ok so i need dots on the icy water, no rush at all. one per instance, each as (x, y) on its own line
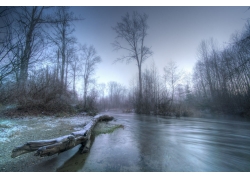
(149, 143)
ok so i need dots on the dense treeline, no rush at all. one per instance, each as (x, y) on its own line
(221, 78)
(167, 94)
(220, 82)
(41, 60)
(43, 68)
(151, 94)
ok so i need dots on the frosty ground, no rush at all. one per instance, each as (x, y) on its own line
(17, 131)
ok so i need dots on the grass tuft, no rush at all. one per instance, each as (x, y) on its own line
(104, 128)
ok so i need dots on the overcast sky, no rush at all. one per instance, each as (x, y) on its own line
(174, 34)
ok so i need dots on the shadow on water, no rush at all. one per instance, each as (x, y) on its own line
(76, 162)
(54, 162)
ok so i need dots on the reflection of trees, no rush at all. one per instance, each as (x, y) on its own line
(151, 143)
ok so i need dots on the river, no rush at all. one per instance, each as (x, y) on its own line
(150, 143)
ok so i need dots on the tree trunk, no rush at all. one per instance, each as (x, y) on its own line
(63, 53)
(29, 41)
(66, 73)
(63, 143)
(139, 103)
(74, 82)
(24, 63)
(85, 93)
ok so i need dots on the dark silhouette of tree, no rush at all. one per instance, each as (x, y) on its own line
(90, 59)
(221, 77)
(29, 24)
(131, 33)
(6, 36)
(172, 76)
(75, 69)
(61, 36)
(116, 94)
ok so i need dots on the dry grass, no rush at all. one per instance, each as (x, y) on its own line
(104, 128)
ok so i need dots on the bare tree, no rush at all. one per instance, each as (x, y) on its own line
(116, 94)
(133, 30)
(75, 71)
(90, 59)
(221, 77)
(172, 77)
(102, 103)
(29, 20)
(6, 47)
(61, 36)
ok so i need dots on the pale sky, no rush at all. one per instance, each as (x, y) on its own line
(174, 34)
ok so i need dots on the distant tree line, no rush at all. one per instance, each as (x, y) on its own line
(42, 63)
(151, 94)
(221, 78)
(220, 82)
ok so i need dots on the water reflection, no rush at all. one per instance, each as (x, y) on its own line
(76, 162)
(149, 143)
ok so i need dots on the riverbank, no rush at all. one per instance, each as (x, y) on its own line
(15, 131)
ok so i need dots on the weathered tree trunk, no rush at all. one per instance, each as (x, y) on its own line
(61, 144)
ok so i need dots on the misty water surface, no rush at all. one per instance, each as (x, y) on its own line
(149, 143)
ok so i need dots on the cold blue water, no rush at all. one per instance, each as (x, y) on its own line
(150, 143)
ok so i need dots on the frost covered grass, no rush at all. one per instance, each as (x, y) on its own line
(17, 131)
(9, 130)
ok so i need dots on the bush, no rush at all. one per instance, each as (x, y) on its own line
(42, 93)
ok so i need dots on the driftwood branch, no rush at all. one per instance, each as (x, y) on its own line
(63, 143)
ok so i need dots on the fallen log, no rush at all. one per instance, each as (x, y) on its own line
(53, 146)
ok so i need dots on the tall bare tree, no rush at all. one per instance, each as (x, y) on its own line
(172, 77)
(29, 23)
(6, 47)
(74, 70)
(90, 59)
(131, 33)
(116, 94)
(221, 77)
(61, 36)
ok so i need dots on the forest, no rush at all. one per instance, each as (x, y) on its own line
(41, 63)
